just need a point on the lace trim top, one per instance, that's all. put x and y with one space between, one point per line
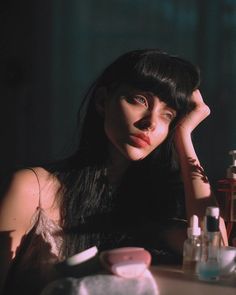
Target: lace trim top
48 229
39 251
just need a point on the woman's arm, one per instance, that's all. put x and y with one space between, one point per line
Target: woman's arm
17 207
198 194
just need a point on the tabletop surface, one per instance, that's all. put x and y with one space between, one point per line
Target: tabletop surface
172 281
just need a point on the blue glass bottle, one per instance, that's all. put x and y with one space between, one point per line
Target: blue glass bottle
208 268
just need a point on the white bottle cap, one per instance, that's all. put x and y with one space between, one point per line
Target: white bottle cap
194 229
213 211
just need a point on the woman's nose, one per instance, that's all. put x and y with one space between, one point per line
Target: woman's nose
147 123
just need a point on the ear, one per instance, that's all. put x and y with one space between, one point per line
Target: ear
100 100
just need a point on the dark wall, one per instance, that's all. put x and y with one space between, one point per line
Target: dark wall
25 82
51 50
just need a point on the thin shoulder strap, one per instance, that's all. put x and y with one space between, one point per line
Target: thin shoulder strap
37 177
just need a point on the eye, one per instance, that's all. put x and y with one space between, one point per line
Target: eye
168 115
140 99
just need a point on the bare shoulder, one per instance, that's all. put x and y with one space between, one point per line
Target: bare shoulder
23 192
20 200
48 185
26 182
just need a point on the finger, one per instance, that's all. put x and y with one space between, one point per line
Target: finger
197 97
200 107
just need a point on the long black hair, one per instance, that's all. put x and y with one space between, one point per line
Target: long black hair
169 77
86 201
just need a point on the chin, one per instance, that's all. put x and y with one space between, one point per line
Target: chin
135 154
136 158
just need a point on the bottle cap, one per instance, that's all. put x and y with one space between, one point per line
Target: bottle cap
194 229
213 211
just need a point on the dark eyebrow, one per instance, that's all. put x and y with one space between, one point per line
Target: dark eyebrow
171 108
139 91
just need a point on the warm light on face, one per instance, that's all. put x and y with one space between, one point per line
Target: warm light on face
136 122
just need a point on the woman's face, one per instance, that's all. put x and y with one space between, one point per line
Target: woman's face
136 122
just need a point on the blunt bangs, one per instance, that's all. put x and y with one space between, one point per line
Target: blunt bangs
169 77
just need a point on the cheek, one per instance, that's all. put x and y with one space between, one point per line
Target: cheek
115 125
111 127
118 119
161 134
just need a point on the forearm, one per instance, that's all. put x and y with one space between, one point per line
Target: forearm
198 193
196 185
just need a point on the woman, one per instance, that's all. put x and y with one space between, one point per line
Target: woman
123 186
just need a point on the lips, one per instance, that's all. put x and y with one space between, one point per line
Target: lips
140 139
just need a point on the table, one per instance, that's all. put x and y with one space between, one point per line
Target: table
172 281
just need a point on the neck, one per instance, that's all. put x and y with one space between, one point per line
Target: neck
117 166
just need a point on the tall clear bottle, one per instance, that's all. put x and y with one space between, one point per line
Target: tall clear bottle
208 268
192 247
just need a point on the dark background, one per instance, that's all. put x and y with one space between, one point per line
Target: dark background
51 50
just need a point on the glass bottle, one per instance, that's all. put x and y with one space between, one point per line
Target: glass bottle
208 268
192 247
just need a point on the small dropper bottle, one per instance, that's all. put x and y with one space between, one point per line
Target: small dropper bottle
192 247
